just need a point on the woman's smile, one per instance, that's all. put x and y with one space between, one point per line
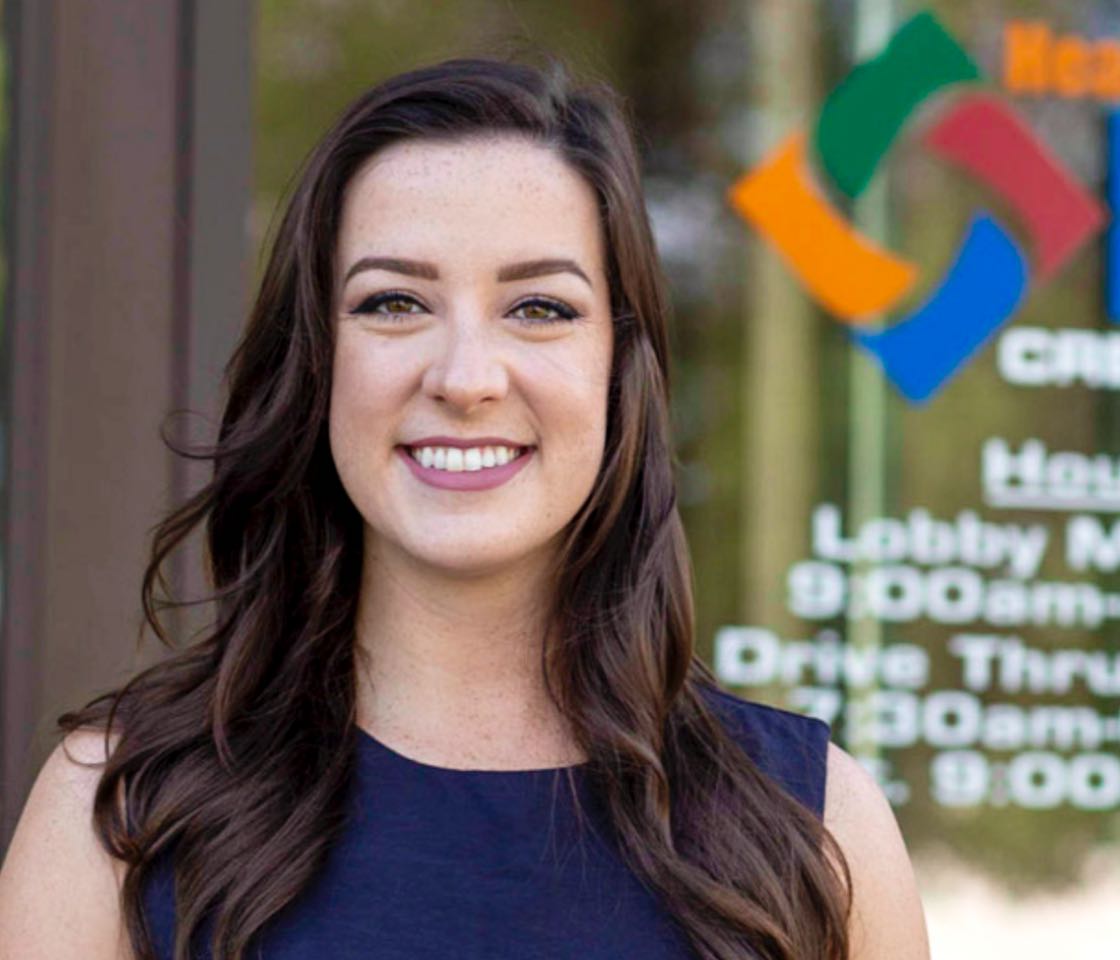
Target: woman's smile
482 466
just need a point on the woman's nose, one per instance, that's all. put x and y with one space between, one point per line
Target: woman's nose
467 370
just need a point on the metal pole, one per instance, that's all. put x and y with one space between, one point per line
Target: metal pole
867 418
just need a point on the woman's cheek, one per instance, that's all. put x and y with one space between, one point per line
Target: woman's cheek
356 421
369 377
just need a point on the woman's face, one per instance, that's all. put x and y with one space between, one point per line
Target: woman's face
473 351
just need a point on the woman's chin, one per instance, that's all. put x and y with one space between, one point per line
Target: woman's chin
466 557
458 566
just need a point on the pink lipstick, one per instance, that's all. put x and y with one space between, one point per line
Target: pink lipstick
484 479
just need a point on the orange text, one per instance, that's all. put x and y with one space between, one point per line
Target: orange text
1037 62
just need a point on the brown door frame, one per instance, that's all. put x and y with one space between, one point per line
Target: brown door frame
126 188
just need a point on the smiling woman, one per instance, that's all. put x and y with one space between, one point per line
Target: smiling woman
450 574
502 345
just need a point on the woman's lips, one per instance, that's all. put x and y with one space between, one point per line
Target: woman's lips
485 479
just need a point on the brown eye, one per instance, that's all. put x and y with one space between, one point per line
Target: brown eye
542 308
396 303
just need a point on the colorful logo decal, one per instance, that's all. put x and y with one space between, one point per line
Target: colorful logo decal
858 281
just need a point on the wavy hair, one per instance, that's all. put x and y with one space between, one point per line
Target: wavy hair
237 749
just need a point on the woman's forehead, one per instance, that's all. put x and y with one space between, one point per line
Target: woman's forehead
497 196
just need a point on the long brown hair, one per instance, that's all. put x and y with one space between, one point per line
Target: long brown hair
237 749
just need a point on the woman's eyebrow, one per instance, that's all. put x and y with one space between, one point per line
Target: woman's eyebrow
428 271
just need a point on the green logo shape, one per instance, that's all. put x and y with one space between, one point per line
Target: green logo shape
860 120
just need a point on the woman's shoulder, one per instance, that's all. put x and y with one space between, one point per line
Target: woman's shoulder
888 919
796 750
58 886
791 748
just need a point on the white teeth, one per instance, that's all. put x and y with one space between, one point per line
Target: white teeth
458 459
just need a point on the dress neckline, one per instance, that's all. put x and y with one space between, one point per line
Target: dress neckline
364 736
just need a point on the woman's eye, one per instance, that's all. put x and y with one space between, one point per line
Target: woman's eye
396 302
562 312
538 310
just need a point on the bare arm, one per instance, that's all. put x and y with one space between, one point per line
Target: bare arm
887 918
58 886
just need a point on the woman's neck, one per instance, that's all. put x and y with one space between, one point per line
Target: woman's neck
450 667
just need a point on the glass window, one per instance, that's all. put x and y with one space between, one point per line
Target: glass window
888 233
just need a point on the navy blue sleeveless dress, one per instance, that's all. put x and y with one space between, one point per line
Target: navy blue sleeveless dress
487 864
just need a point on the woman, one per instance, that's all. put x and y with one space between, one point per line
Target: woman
450 703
